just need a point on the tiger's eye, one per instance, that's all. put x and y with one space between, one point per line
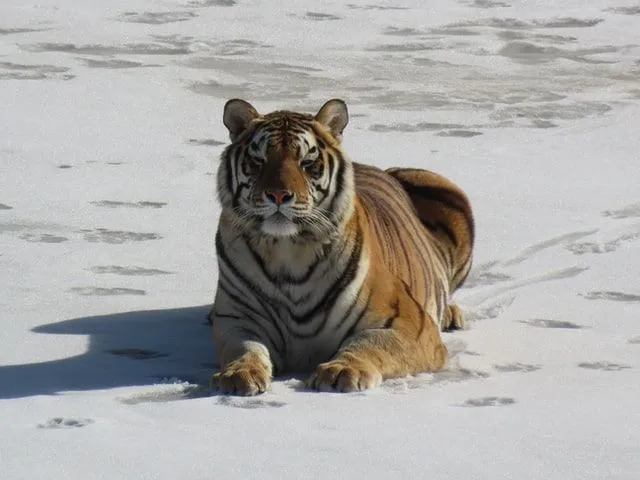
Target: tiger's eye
316 168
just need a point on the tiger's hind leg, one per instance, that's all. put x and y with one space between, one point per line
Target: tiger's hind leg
453 319
444 210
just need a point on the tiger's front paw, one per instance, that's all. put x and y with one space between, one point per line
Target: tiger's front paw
344 376
242 378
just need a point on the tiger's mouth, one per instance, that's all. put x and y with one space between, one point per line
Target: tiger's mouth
279 225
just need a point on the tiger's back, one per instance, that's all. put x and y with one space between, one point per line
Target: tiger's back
409 238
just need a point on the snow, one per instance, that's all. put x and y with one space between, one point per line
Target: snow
110 130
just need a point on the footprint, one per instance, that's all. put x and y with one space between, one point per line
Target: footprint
625 10
212 3
485 278
606 246
248 403
15 71
5 207
563 273
114 63
552 242
209 142
128 271
11 31
609 295
169 393
156 18
489 402
516 367
137 353
546 323
108 50
629 211
106 292
488 4
60 422
117 204
604 366
490 311
458 133
43 238
321 16
103 235
635 340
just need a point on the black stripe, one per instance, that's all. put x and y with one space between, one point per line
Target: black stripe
446 197
347 276
434 227
266 301
281 280
257 322
339 184
353 327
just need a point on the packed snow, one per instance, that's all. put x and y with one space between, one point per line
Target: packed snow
110 134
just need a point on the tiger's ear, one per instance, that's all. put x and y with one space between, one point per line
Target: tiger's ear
334 116
237 117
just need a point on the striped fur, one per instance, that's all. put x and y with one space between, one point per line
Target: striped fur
327 264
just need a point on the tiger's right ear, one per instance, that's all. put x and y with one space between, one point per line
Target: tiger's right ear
237 117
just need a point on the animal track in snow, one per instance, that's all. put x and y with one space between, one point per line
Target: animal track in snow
103 235
212 3
114 63
489 402
546 323
609 295
14 71
552 242
128 271
632 210
516 367
60 422
43 238
483 278
116 204
248 403
106 292
108 50
492 310
167 393
479 299
156 18
207 142
604 366
607 246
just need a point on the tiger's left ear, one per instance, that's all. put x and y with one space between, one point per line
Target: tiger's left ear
334 116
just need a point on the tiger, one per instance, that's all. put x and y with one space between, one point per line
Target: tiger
328 266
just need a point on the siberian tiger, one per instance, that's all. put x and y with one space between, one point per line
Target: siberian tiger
329 264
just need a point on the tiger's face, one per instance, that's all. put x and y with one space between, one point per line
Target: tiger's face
284 174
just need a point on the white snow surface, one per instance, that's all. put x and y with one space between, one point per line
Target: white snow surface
110 133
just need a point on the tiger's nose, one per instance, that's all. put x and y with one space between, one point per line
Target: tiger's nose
279 197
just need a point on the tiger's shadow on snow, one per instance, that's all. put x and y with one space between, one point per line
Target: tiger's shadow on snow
125 349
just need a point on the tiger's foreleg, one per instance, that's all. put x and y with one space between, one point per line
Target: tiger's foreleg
246 367
403 341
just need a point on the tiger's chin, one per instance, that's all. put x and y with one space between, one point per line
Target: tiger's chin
278 225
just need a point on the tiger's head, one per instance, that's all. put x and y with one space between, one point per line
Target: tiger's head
284 174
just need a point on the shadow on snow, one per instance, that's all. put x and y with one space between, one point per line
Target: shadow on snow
125 349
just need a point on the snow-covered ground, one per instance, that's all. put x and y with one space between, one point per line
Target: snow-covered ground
110 130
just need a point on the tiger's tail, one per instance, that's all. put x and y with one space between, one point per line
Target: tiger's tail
444 209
